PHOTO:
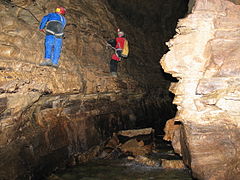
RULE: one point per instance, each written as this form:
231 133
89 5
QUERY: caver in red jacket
119 46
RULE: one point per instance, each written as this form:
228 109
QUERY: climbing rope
8 2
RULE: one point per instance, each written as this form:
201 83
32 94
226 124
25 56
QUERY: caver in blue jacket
54 23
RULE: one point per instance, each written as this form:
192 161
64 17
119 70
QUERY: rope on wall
9 3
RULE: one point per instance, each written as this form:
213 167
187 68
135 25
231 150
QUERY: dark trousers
113 65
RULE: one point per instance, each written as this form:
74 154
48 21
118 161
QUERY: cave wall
47 115
55 128
204 56
148 25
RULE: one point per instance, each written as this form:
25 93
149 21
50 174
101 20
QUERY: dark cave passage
148 26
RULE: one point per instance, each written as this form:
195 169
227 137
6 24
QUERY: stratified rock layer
204 56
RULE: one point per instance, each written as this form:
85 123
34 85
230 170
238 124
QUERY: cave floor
123 169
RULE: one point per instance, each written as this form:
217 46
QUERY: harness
55 28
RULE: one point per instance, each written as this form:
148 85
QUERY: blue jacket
52 17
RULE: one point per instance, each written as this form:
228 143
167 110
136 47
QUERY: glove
42 30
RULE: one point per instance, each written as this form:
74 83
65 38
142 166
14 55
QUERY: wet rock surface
142 147
204 57
119 170
135 142
160 163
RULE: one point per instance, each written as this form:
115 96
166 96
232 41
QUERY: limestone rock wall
47 114
204 56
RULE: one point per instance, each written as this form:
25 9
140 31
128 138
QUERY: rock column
204 56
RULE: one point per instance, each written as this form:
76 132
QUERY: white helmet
120 33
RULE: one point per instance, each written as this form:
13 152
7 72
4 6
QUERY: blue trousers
53 48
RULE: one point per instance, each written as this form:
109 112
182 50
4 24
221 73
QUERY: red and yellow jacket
119 46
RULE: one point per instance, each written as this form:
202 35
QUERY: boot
114 74
46 63
55 65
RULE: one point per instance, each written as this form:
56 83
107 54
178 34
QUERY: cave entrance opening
148 26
